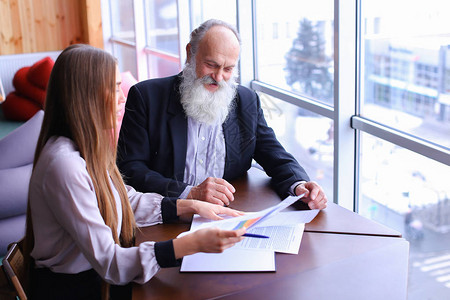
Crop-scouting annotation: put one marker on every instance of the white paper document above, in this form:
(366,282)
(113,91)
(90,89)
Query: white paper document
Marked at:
(284,229)
(231,260)
(284,239)
(284,232)
(290,218)
(249,219)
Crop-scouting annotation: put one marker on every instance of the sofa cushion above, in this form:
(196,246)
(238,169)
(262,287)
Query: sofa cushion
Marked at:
(14,184)
(39,73)
(25,88)
(30,83)
(17,148)
(19,108)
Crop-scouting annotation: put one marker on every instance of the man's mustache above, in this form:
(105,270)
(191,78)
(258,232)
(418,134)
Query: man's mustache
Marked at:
(207,79)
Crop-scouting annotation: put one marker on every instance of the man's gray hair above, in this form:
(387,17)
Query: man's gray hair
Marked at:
(198,33)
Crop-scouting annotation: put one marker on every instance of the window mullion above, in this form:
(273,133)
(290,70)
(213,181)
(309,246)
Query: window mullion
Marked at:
(344,103)
(184,28)
(140,34)
(245,23)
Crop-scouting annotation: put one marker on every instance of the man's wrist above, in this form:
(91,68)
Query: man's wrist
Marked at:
(295,185)
(185,193)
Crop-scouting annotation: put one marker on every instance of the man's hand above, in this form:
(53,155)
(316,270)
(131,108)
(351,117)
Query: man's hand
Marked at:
(314,195)
(214,190)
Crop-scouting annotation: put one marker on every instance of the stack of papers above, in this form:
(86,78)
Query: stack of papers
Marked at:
(284,229)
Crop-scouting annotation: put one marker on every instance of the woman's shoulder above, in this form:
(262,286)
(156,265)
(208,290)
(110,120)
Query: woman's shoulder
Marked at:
(59,147)
(60,158)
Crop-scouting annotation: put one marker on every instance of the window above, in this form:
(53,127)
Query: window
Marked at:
(162,43)
(202,10)
(306,135)
(358,91)
(414,53)
(301,62)
(405,133)
(121,29)
(275,31)
(410,193)
(144,36)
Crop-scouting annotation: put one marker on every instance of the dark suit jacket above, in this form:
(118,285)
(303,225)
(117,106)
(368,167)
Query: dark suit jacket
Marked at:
(153,140)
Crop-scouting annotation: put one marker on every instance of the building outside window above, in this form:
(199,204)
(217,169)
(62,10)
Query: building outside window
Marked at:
(397,187)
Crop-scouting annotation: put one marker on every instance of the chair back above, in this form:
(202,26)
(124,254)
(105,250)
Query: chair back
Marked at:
(15,270)
(6,290)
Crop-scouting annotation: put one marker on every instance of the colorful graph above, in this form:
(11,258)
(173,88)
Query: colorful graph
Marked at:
(246,223)
(267,212)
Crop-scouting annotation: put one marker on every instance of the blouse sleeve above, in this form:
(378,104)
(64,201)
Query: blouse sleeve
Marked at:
(151,208)
(146,207)
(70,196)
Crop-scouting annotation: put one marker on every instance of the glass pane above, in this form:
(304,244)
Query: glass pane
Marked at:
(307,136)
(122,20)
(294,46)
(162,68)
(162,25)
(405,76)
(410,193)
(127,58)
(202,10)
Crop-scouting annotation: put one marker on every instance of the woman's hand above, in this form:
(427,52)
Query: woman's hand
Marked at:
(210,240)
(205,209)
(212,211)
(214,240)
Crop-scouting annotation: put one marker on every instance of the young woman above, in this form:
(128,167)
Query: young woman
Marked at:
(81,215)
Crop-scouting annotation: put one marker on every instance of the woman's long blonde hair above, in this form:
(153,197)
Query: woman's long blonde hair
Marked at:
(80,105)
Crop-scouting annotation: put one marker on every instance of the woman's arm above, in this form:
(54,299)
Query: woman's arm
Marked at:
(209,239)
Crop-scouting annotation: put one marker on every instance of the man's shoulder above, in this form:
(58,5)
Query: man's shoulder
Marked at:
(245,93)
(246,98)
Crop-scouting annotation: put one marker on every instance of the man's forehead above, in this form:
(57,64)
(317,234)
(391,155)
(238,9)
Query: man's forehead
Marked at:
(220,30)
(219,52)
(220,37)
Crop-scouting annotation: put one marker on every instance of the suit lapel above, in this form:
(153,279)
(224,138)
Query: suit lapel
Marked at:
(232,140)
(178,133)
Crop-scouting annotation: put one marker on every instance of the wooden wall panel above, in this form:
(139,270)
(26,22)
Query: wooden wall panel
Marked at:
(48,25)
(92,22)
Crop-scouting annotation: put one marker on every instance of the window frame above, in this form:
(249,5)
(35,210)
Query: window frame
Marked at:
(348,123)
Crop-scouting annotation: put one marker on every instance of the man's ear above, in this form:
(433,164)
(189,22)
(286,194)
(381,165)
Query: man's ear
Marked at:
(188,52)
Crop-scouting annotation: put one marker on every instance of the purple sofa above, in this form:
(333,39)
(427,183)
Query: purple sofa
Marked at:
(16,162)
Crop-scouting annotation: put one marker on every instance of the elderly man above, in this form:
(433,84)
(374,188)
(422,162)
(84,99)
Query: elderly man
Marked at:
(188,135)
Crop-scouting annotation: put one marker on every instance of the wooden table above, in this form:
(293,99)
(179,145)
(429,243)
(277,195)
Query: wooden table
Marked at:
(254,193)
(351,259)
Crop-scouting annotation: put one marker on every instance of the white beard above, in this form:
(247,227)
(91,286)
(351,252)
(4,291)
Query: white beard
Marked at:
(202,105)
